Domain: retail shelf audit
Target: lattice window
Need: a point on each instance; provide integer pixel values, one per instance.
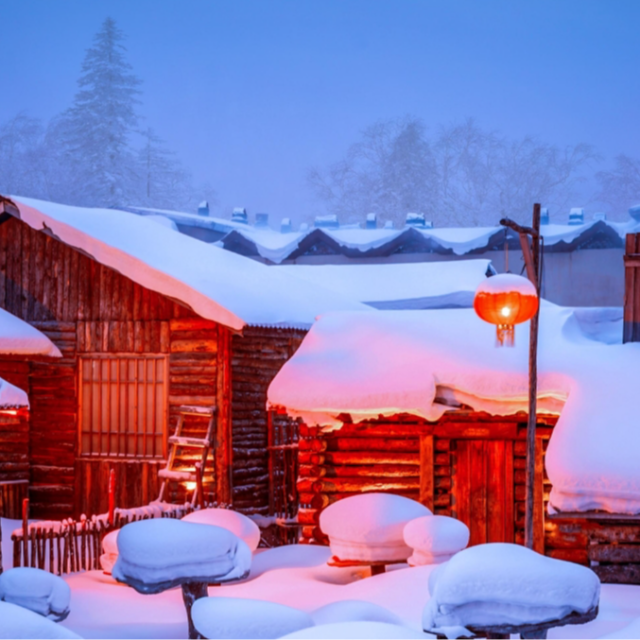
(123, 405)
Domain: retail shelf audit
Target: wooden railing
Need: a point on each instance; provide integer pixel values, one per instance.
(76, 545)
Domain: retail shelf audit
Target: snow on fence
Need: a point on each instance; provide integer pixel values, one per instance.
(76, 545)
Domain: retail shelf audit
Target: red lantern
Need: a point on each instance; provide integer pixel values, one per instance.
(506, 300)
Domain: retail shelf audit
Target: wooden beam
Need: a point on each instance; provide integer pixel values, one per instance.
(426, 471)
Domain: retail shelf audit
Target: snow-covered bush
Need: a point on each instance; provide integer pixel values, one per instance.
(110, 551)
(500, 583)
(18, 622)
(369, 526)
(435, 539)
(357, 630)
(38, 590)
(245, 528)
(245, 618)
(353, 611)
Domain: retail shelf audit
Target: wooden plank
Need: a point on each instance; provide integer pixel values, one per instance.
(426, 471)
(538, 498)
(223, 453)
(496, 490)
(478, 490)
(462, 483)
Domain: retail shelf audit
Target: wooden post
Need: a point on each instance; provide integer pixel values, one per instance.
(112, 496)
(199, 488)
(25, 532)
(192, 591)
(631, 329)
(533, 387)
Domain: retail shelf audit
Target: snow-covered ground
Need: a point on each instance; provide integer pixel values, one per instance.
(297, 576)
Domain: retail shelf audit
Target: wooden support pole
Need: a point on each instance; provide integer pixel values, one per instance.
(112, 495)
(25, 532)
(533, 388)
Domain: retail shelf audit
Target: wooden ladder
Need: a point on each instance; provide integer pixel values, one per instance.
(178, 441)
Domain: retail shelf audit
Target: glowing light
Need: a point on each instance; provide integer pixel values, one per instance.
(506, 300)
(9, 412)
(190, 486)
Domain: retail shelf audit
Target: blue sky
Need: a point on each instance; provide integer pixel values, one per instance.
(252, 93)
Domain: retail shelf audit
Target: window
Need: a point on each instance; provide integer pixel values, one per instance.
(123, 405)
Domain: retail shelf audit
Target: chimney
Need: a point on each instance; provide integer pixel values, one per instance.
(388, 224)
(285, 225)
(631, 327)
(326, 222)
(576, 216)
(544, 215)
(240, 215)
(203, 208)
(372, 221)
(418, 221)
(262, 220)
(600, 216)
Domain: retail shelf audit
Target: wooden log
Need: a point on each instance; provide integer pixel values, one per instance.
(617, 553)
(618, 573)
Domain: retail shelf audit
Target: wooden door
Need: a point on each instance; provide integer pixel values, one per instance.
(483, 489)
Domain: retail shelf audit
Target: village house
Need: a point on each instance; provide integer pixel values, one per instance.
(423, 404)
(148, 322)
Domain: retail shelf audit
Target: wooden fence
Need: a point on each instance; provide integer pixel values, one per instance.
(76, 545)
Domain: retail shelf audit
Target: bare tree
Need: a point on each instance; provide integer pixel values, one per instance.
(463, 175)
(620, 187)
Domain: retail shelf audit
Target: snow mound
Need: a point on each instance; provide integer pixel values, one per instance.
(353, 611)
(356, 630)
(18, 622)
(110, 551)
(368, 527)
(245, 528)
(12, 397)
(157, 554)
(435, 539)
(38, 590)
(246, 618)
(20, 338)
(500, 583)
(632, 630)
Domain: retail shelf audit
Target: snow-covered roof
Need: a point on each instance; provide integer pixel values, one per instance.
(400, 285)
(217, 284)
(361, 243)
(11, 397)
(371, 364)
(18, 338)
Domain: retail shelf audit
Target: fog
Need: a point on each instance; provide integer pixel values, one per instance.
(252, 95)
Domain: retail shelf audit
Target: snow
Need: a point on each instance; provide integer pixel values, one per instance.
(110, 551)
(297, 576)
(163, 221)
(164, 550)
(246, 618)
(362, 630)
(435, 539)
(506, 282)
(353, 610)
(235, 522)
(19, 338)
(218, 285)
(37, 590)
(431, 283)
(371, 364)
(18, 622)
(369, 526)
(500, 583)
(11, 397)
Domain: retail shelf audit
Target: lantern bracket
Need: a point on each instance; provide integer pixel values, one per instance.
(525, 233)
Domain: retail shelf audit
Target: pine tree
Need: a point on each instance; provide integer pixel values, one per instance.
(97, 129)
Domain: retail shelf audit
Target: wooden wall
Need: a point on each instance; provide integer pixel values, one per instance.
(631, 327)
(85, 307)
(14, 463)
(257, 356)
(466, 465)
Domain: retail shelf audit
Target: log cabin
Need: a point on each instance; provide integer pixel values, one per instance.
(147, 321)
(423, 404)
(21, 347)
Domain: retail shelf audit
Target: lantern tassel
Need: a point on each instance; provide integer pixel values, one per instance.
(505, 335)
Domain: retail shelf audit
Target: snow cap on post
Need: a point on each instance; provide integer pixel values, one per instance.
(161, 553)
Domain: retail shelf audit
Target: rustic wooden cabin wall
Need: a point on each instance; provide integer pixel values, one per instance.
(93, 313)
(257, 356)
(14, 463)
(467, 465)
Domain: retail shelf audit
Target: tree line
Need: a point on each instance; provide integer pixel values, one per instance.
(98, 153)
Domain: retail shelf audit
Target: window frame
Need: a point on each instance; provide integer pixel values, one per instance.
(117, 356)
